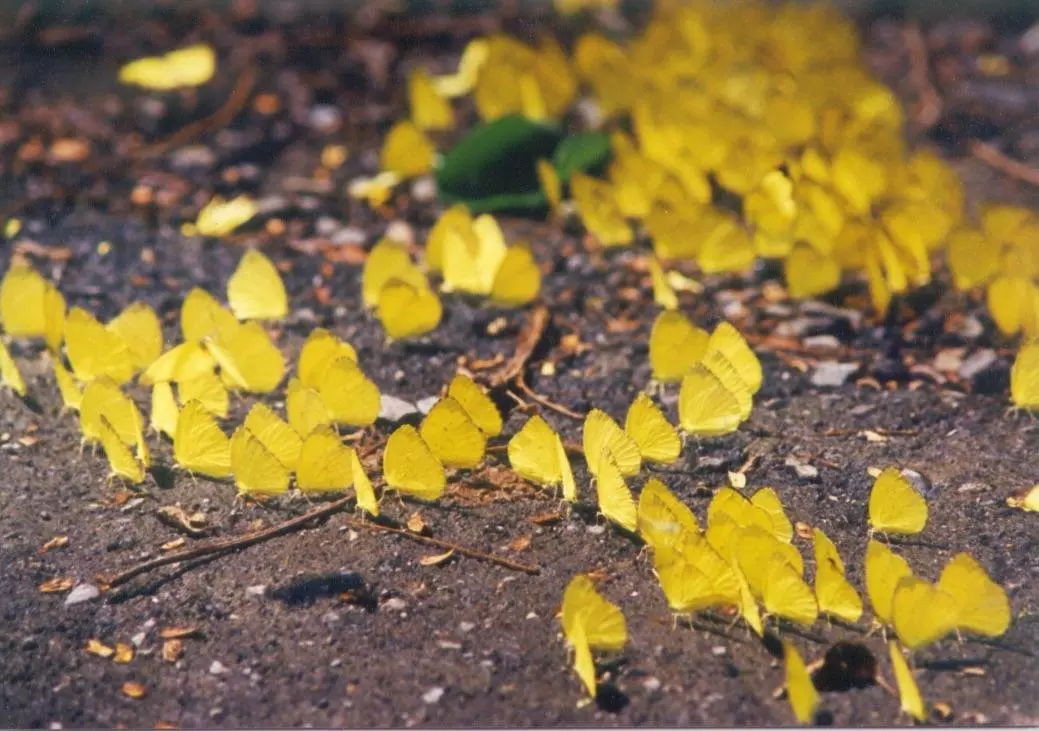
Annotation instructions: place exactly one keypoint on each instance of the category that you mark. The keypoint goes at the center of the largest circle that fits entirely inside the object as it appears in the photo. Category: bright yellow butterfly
(366, 499)
(747, 604)
(199, 445)
(71, 393)
(30, 306)
(94, 351)
(220, 217)
(1024, 377)
(533, 453)
(602, 435)
(480, 408)
(833, 592)
(800, 690)
(190, 66)
(273, 433)
(452, 436)
(429, 110)
(208, 390)
(656, 439)
(982, 606)
(248, 359)
(662, 517)
(410, 467)
(921, 613)
(728, 341)
(180, 363)
(767, 499)
(786, 594)
(462, 81)
(456, 220)
(255, 291)
(895, 506)
(256, 470)
(518, 279)
(140, 329)
(102, 398)
(599, 211)
(675, 346)
(810, 273)
(663, 294)
(325, 464)
(407, 151)
(10, 376)
(471, 259)
(120, 459)
(407, 310)
(584, 663)
(755, 550)
(603, 622)
(884, 569)
(164, 411)
(908, 691)
(730, 503)
(201, 316)
(694, 549)
(551, 185)
(350, 397)
(305, 408)
(615, 500)
(388, 260)
(706, 406)
(686, 588)
(320, 350)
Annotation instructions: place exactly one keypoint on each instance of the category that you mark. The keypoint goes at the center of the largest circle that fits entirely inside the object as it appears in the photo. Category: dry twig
(992, 157)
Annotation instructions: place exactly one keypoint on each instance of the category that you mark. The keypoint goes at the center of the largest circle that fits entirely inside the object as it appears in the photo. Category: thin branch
(992, 157)
(928, 108)
(528, 339)
(521, 384)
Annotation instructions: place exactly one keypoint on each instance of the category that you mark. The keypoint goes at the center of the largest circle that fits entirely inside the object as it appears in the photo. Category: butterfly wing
(141, 331)
(834, 594)
(982, 605)
(201, 316)
(728, 341)
(705, 406)
(615, 500)
(407, 310)
(350, 397)
(320, 350)
(366, 499)
(908, 691)
(255, 291)
(476, 403)
(199, 444)
(305, 408)
(675, 346)
(662, 517)
(787, 595)
(884, 569)
(325, 464)
(409, 466)
(800, 689)
(533, 454)
(518, 279)
(276, 435)
(452, 436)
(248, 358)
(10, 376)
(208, 390)
(71, 393)
(164, 412)
(120, 459)
(656, 439)
(767, 499)
(921, 613)
(603, 435)
(894, 506)
(1024, 377)
(256, 470)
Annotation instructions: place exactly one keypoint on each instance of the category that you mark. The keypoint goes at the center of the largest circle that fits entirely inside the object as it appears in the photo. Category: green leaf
(584, 151)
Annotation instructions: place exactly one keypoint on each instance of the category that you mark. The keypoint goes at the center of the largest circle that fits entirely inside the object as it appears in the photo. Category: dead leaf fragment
(172, 650)
(98, 648)
(124, 653)
(520, 543)
(133, 689)
(179, 633)
(872, 436)
(57, 586)
(944, 710)
(1027, 500)
(417, 524)
(738, 480)
(545, 518)
(177, 518)
(53, 543)
(174, 544)
(436, 559)
(803, 530)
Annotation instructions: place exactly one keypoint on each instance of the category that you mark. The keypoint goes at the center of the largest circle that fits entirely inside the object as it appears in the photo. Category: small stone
(712, 463)
(977, 362)
(652, 684)
(348, 236)
(394, 409)
(821, 342)
(466, 627)
(432, 696)
(425, 405)
(217, 668)
(532, 615)
(970, 328)
(256, 590)
(802, 470)
(326, 226)
(336, 662)
(948, 360)
(138, 639)
(718, 650)
(424, 189)
(830, 373)
(193, 156)
(329, 617)
(325, 118)
(394, 604)
(448, 645)
(30, 643)
(920, 483)
(82, 593)
(597, 530)
(973, 487)
(400, 231)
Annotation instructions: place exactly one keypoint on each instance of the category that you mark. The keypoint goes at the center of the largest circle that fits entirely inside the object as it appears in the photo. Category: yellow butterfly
(120, 459)
(320, 350)
(463, 80)
(908, 691)
(584, 664)
(455, 221)
(325, 463)
(603, 622)
(747, 604)
(201, 316)
(694, 549)
(536, 453)
(164, 411)
(10, 376)
(981, 604)
(895, 506)
(376, 190)
(551, 185)
(480, 408)
(728, 341)
(30, 306)
(727, 247)
(407, 151)
(71, 393)
(656, 439)
(884, 569)
(220, 217)
(663, 294)
(810, 272)
(767, 499)
(472, 258)
(602, 435)
(102, 398)
(256, 470)
(305, 408)
(1013, 302)
(518, 279)
(800, 690)
(366, 499)
(350, 397)
(452, 436)
(615, 500)
(199, 445)
(754, 551)
(1026, 500)
(707, 406)
(407, 310)
(140, 329)
(190, 66)
(921, 613)
(662, 517)
(1024, 377)
(429, 110)
(729, 503)
(207, 389)
(833, 592)
(248, 359)
(388, 260)
(273, 433)
(686, 587)
(599, 211)
(409, 466)
(94, 351)
(786, 594)
(675, 346)
(182, 362)
(255, 291)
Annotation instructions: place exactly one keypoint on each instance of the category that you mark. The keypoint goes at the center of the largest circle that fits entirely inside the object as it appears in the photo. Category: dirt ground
(337, 626)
